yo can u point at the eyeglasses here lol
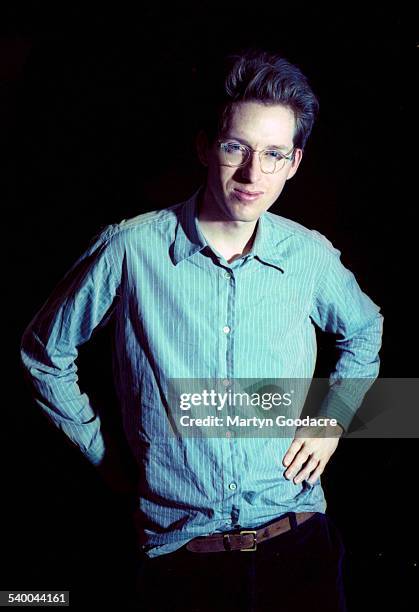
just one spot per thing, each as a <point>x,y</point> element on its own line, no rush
<point>235,154</point>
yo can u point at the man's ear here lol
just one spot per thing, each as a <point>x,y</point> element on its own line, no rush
<point>202,147</point>
<point>298,155</point>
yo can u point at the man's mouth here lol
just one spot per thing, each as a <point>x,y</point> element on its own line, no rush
<point>247,196</point>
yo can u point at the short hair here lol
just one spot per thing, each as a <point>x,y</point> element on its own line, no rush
<point>254,75</point>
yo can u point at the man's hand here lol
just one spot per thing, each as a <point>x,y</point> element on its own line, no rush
<point>310,452</point>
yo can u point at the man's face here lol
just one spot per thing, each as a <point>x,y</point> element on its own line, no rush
<point>260,127</point>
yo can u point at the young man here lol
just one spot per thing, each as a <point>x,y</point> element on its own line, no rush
<point>217,287</point>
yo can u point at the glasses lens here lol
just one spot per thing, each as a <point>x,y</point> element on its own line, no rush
<point>272,161</point>
<point>234,154</point>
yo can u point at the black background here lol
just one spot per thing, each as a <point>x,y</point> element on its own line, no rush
<point>87,98</point>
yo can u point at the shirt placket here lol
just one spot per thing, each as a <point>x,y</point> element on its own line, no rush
<point>228,279</point>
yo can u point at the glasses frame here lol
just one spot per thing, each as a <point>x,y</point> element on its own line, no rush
<point>286,157</point>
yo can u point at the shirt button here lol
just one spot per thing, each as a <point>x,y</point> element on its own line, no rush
<point>226,382</point>
<point>226,329</point>
<point>232,486</point>
<point>227,275</point>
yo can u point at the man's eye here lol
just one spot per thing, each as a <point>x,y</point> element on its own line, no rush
<point>273,154</point>
<point>231,146</point>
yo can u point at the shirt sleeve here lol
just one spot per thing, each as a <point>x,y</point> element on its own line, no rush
<point>83,300</point>
<point>343,309</point>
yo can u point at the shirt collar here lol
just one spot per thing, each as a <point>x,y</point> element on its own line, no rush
<point>189,238</point>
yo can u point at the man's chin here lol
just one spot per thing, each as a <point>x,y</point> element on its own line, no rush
<point>245,215</point>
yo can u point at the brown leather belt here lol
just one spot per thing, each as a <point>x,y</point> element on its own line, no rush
<point>245,540</point>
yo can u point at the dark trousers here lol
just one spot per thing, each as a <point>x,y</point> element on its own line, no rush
<point>298,570</point>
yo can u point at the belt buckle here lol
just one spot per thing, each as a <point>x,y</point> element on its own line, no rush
<point>253,547</point>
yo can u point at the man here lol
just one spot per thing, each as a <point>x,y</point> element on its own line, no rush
<point>218,288</point>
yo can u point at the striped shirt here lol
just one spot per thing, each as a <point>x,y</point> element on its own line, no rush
<point>181,311</point>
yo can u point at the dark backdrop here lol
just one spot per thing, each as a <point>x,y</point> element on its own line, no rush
<point>87,100</point>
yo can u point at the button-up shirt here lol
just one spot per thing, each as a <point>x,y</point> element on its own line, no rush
<point>182,311</point>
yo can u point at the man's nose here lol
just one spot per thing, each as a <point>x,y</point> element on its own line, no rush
<point>251,171</point>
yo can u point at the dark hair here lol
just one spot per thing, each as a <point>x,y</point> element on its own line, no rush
<point>259,76</point>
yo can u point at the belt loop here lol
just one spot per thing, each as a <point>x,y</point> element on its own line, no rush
<point>226,541</point>
<point>293,520</point>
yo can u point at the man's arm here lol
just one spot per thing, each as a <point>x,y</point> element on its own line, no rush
<point>83,300</point>
<point>342,308</point>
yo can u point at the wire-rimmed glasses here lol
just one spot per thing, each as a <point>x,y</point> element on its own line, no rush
<point>236,154</point>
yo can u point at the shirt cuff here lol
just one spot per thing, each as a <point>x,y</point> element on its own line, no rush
<point>96,451</point>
